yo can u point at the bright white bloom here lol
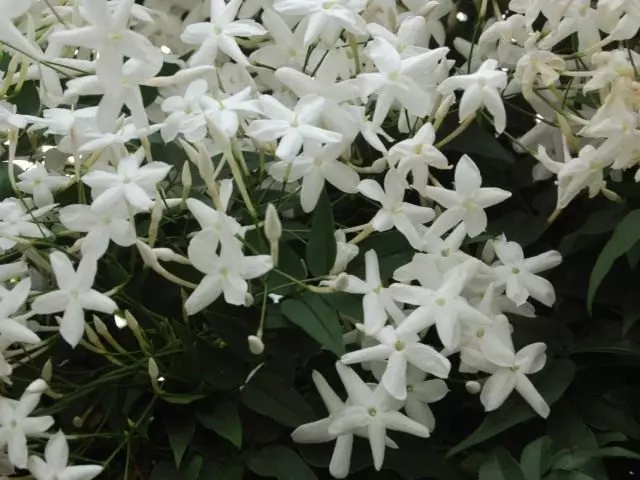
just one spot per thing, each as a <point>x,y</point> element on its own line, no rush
<point>55,463</point>
<point>400,349</point>
<point>16,221</point>
<point>480,88</point>
<point>101,227</point>
<point>219,34</point>
<point>16,424</point>
<point>9,119</point>
<point>401,79</point>
<point>292,127</point>
<point>395,212</point>
<point>415,155</point>
<point>467,202</point>
<point>131,182</point>
<point>519,274</point>
<point>316,165</point>
<point>287,47</point>
<point>41,184</point>
<point>508,371</point>
<point>74,295</point>
<point>225,274</point>
<point>318,432</point>
<point>443,307</point>
<point>108,34</point>
<point>374,410</point>
<point>321,15</point>
<point>12,326</point>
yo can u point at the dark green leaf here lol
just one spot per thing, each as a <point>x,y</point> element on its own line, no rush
<point>321,248</point>
<point>180,434</point>
<point>289,262</point>
<point>280,462</point>
<point>624,237</point>
<point>233,470</point>
<point>318,319</point>
<point>500,465</point>
<point>224,421</point>
<point>536,458</point>
<point>181,399</point>
<point>552,383</point>
<point>478,141</point>
<point>272,397</point>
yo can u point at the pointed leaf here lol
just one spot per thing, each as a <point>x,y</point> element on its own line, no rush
<point>318,319</point>
<point>500,465</point>
<point>321,249</point>
<point>279,462</point>
<point>624,237</point>
<point>536,458</point>
<point>180,434</point>
<point>225,421</point>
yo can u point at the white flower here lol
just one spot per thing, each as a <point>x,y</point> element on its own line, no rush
<point>400,349</point>
<point>316,165</point>
<point>108,34</point>
<point>401,79</point>
<point>395,212</point>
<point>16,424</point>
<point>292,127</point>
<point>54,466</point>
<point>376,302</point>
<point>220,33</point>
<point>12,328</point>
<point>287,47</point>
<point>415,155</point>
<point>16,221</point>
<point>39,183</point>
<point>318,431</point>
<point>508,371</point>
<point>444,306</point>
<point>225,274</point>
<point>321,15</point>
<point>519,273</point>
<point>74,295</point>
<point>480,88</point>
<point>468,201</point>
<point>345,252</point>
<point>374,410</point>
<point>131,182</point>
<point>101,227</point>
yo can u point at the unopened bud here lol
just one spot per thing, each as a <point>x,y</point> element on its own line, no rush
<point>187,180</point>
<point>168,255</point>
<point>341,282</point>
<point>37,386</point>
<point>156,217</point>
<point>488,252</point>
<point>192,153</point>
<point>256,346</point>
<point>205,165</point>
<point>443,108</point>
<point>47,371</point>
<point>93,337</point>
<point>473,387</point>
<point>131,320</point>
<point>272,225</point>
<point>148,257</point>
<point>154,371</point>
<point>101,328</point>
<point>248,299</point>
<point>78,421</point>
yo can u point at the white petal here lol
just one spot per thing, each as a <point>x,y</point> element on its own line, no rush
<point>497,388</point>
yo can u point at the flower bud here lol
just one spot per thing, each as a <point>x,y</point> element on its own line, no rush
<point>156,216</point>
<point>168,255</point>
<point>443,108</point>
<point>37,386</point>
<point>101,328</point>
<point>488,252</point>
<point>154,372</point>
<point>191,152</point>
<point>473,387</point>
<point>47,371</point>
<point>256,346</point>
<point>148,257</point>
<point>341,282</point>
<point>272,225</point>
<point>187,180</point>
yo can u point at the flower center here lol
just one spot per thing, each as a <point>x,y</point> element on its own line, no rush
<point>515,270</point>
<point>399,345</point>
<point>441,302</point>
<point>372,412</point>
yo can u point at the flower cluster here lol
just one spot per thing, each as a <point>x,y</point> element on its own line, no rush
<point>305,86</point>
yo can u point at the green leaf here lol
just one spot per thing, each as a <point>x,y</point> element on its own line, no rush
<point>551,384</point>
<point>6,190</point>
<point>573,460</point>
<point>289,262</point>
<point>181,399</point>
<point>476,140</point>
<point>321,249</point>
<point>562,475</point>
<point>500,465</point>
<point>319,320</point>
<point>180,434</point>
<point>233,470</point>
<point>225,421</point>
<point>272,397</point>
<point>624,237</point>
<point>536,458</point>
<point>280,462</point>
